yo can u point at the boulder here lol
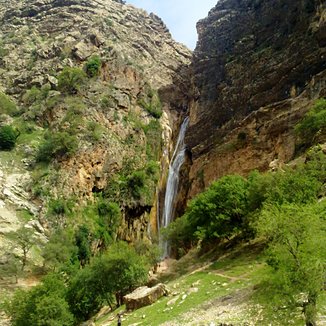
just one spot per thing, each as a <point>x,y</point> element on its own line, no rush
<point>83,50</point>
<point>144,296</point>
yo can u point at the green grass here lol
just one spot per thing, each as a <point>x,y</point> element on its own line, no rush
<point>25,215</point>
<point>223,277</point>
<point>239,271</point>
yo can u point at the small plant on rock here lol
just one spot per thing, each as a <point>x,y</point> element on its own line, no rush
<point>93,66</point>
<point>71,80</point>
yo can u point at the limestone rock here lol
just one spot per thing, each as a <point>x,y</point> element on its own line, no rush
<point>144,296</point>
<point>258,67</point>
<point>82,50</point>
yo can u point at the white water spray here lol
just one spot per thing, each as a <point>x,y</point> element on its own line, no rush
<point>177,160</point>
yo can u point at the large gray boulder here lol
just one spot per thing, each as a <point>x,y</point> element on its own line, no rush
<point>144,296</point>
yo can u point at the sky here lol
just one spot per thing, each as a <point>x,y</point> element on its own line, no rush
<point>180,16</point>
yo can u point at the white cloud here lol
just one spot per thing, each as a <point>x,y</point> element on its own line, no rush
<point>180,16</point>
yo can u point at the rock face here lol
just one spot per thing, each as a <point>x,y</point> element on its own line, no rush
<point>258,66</point>
<point>50,29</point>
<point>138,60</point>
<point>144,296</point>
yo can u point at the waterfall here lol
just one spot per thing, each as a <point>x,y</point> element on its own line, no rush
<point>177,160</point>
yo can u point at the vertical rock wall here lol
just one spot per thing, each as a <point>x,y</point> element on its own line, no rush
<point>258,67</point>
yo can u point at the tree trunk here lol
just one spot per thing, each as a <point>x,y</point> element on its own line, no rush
<point>310,310</point>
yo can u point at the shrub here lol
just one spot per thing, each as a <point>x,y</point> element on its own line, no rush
<point>153,132</point>
<point>93,66</point>
<point>136,184</point>
<point>57,145</point>
<point>71,80</point>
<point>36,95</point>
<point>3,51</point>
<point>7,106</point>
<point>8,137</point>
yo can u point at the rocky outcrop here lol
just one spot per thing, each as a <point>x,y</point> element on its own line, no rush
<point>258,67</point>
<point>144,296</point>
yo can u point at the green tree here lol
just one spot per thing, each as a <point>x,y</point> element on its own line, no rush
<point>83,294</point>
<point>83,243</point>
<point>114,273</point>
<point>109,220</point>
<point>219,211</point>
<point>120,271</point>
<point>180,233</point>
<point>24,238</point>
<point>290,186</point>
<point>296,253</point>
<point>71,80</point>
<point>59,250</point>
<point>8,137</point>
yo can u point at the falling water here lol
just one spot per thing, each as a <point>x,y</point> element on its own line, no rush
<point>173,180</point>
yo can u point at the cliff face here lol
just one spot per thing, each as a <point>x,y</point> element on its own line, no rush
<point>110,117</point>
<point>258,66</point>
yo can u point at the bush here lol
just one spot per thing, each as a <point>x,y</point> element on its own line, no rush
<point>136,184</point>
<point>313,124</point>
<point>7,106</point>
<point>36,95</point>
<point>153,132</point>
<point>93,66</point>
<point>71,80</point>
<point>57,145</point>
<point>8,137</point>
<point>44,304</point>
